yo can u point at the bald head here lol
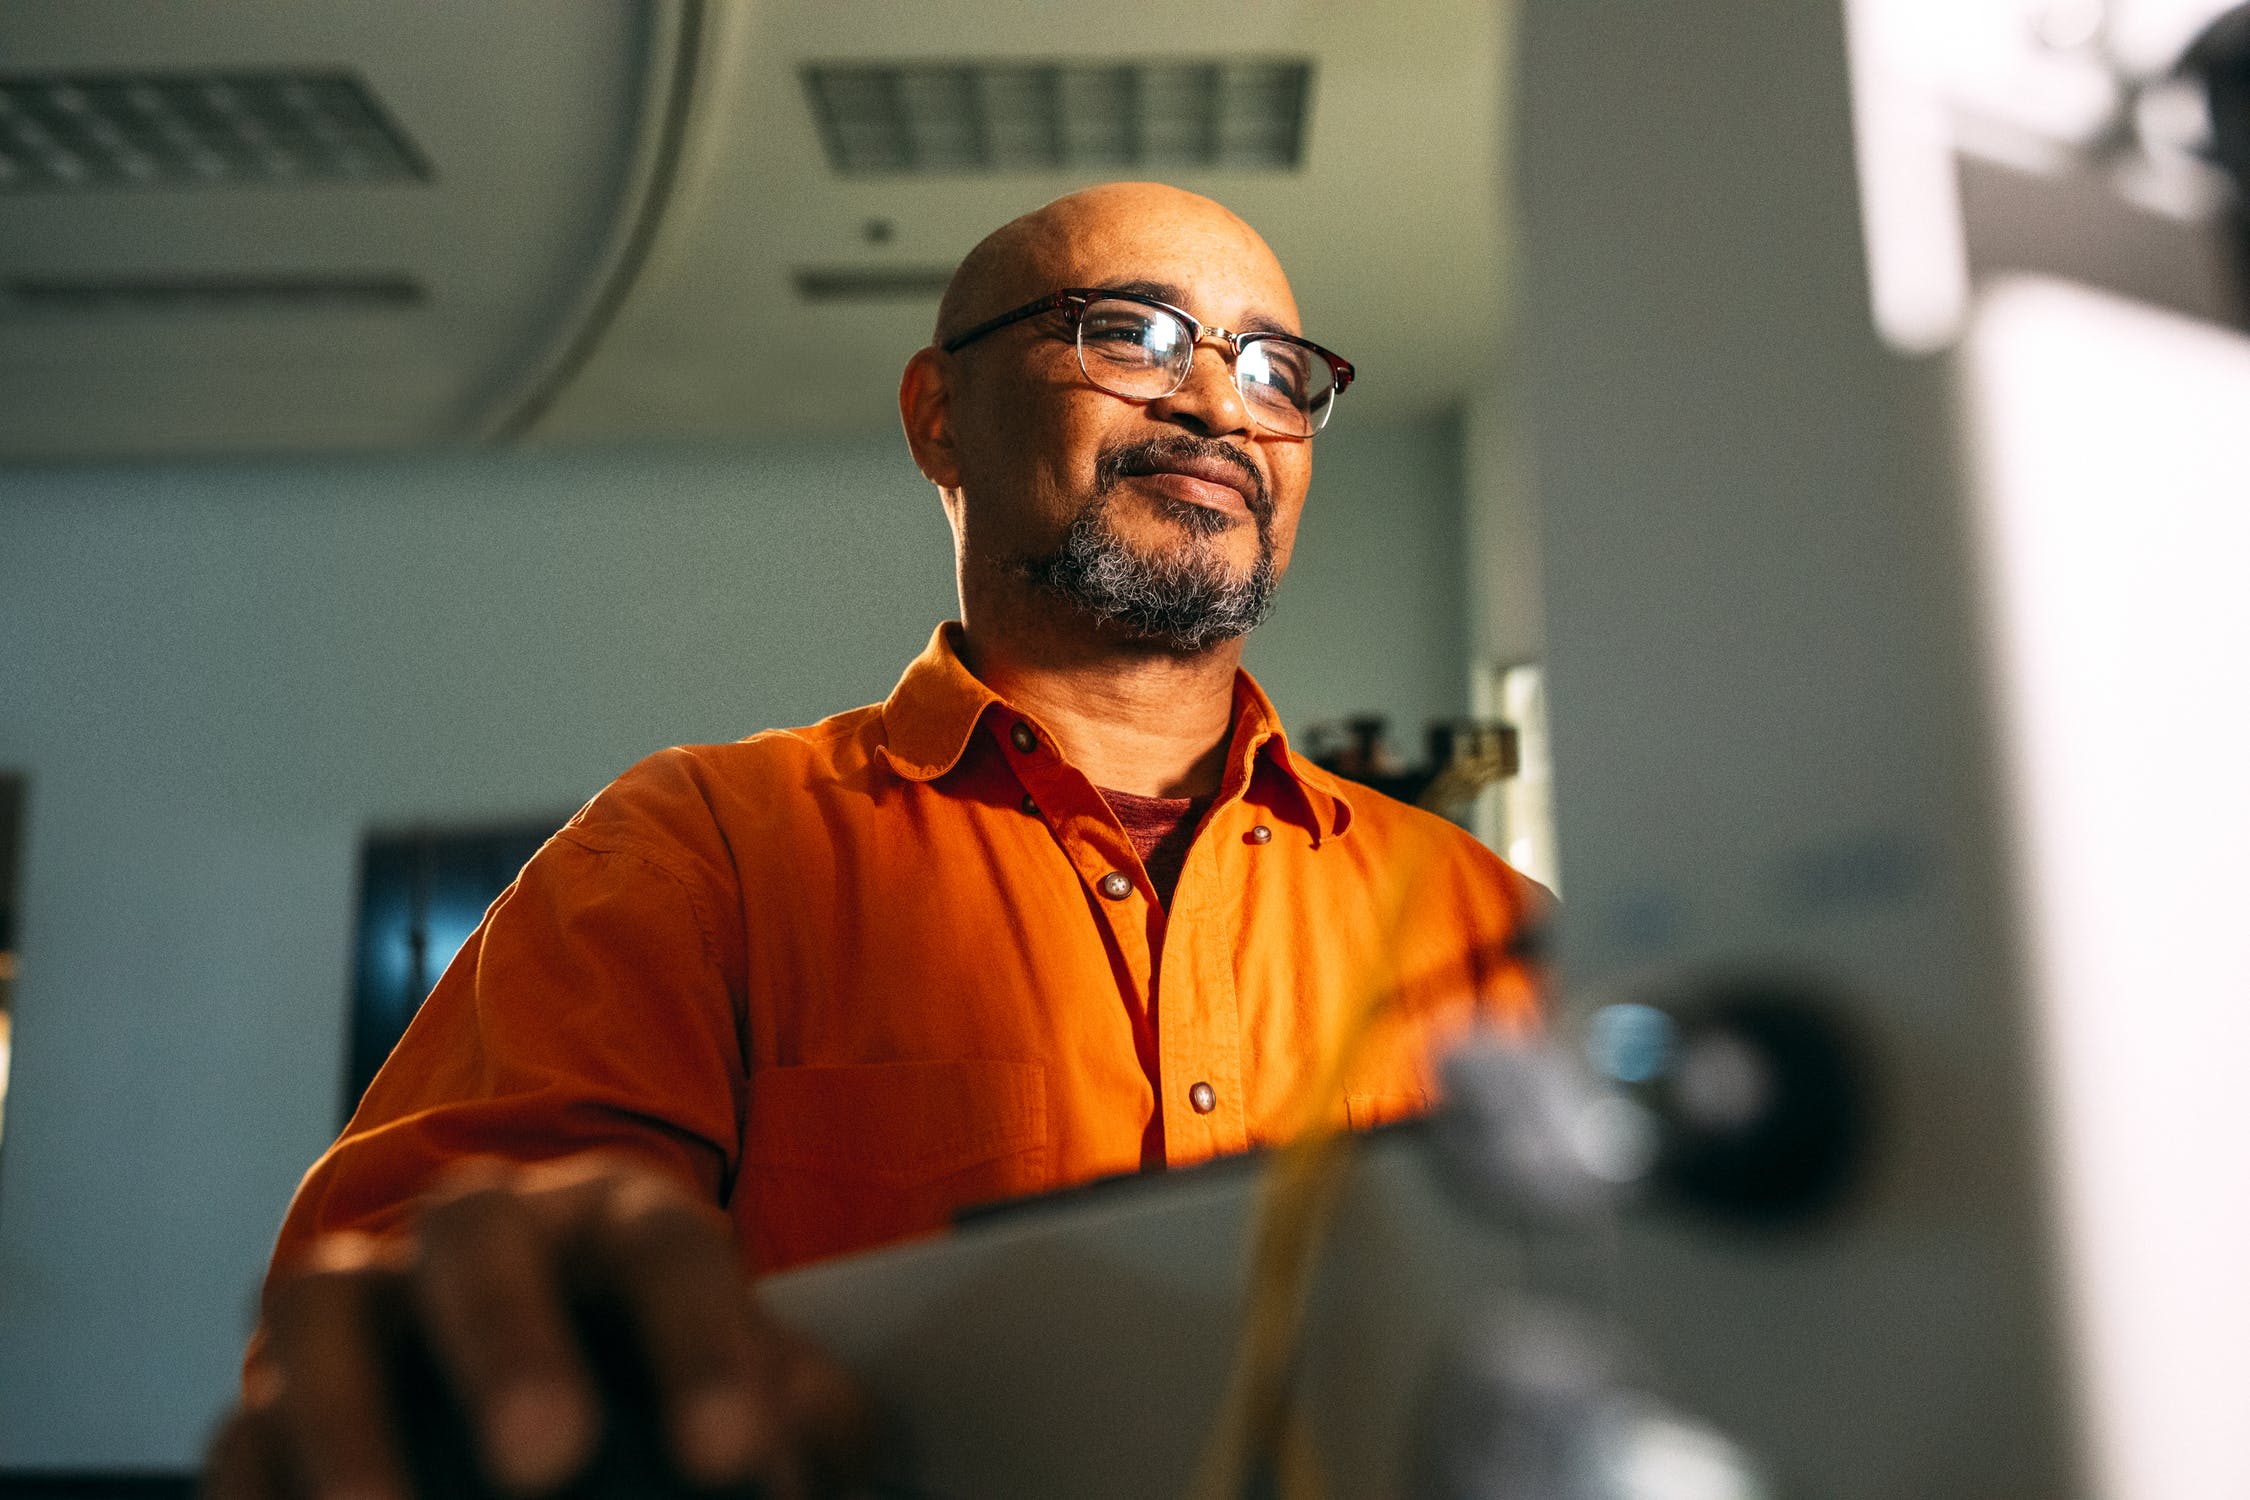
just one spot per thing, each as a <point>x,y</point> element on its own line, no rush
<point>1094,237</point>
<point>1158,521</point>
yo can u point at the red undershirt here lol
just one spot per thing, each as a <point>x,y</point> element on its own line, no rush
<point>1161,829</point>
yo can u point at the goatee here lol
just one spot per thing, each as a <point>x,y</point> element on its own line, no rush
<point>1183,597</point>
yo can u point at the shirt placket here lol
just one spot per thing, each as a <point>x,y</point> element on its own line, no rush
<point>1087,833</point>
<point>1203,1093</point>
<point>1199,1024</point>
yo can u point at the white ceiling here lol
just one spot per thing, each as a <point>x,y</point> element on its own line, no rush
<point>1390,233</point>
<point>526,111</point>
<point>622,193</point>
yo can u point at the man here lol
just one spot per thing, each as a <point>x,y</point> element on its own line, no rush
<point>1065,905</point>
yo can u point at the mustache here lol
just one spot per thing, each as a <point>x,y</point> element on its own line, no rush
<point>1154,455</point>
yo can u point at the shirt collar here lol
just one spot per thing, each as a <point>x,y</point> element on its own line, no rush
<point>929,716</point>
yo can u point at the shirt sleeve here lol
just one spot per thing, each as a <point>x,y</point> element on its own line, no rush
<point>597,1007</point>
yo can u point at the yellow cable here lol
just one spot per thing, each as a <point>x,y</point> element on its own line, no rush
<point>1256,1420</point>
<point>1301,1186</point>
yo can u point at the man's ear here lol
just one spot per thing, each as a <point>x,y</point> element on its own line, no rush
<point>925,407</point>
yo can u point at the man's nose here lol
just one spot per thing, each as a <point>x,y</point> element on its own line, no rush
<point>1208,400</point>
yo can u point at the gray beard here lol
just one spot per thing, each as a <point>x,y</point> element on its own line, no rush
<point>1183,598</point>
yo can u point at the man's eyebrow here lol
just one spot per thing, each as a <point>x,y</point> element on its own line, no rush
<point>1165,291</point>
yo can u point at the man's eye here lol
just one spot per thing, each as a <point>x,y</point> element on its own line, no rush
<point>1277,376</point>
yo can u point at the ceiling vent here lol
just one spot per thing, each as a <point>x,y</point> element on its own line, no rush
<point>938,119</point>
<point>79,131</point>
<point>30,297</point>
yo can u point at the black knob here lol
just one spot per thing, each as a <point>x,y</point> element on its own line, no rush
<point>1759,1089</point>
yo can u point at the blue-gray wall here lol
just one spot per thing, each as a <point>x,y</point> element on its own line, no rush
<point>219,677</point>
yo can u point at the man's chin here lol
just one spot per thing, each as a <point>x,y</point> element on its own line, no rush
<point>1139,641</point>
<point>1160,580</point>
<point>1196,570</point>
<point>1167,526</point>
<point>1187,536</point>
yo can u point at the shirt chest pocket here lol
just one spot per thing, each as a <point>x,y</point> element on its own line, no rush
<point>1365,1109</point>
<point>842,1158</point>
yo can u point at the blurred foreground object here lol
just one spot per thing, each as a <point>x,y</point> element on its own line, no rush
<point>2103,141</point>
<point>1903,652</point>
<point>1455,1338</point>
<point>2113,524</point>
<point>1530,1408</point>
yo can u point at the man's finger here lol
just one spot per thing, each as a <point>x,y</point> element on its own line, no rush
<point>673,1267</point>
<point>330,1337</point>
<point>834,1426</point>
<point>493,1309</point>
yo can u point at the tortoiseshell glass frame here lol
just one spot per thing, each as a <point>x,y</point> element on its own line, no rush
<point>1073,301</point>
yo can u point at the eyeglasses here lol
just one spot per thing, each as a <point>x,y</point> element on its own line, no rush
<point>1137,347</point>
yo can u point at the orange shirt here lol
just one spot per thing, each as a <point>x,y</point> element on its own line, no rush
<point>849,979</point>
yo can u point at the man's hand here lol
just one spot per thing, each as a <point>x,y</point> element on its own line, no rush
<point>494,1284</point>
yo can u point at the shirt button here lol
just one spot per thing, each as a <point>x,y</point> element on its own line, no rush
<point>1261,834</point>
<point>1030,804</point>
<point>1203,1098</point>
<point>1025,740</point>
<point>1117,885</point>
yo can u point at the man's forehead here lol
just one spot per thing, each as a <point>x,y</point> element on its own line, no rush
<point>1175,246</point>
<point>1253,319</point>
<point>1149,238</point>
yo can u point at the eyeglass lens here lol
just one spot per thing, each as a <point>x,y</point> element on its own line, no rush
<point>1130,349</point>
